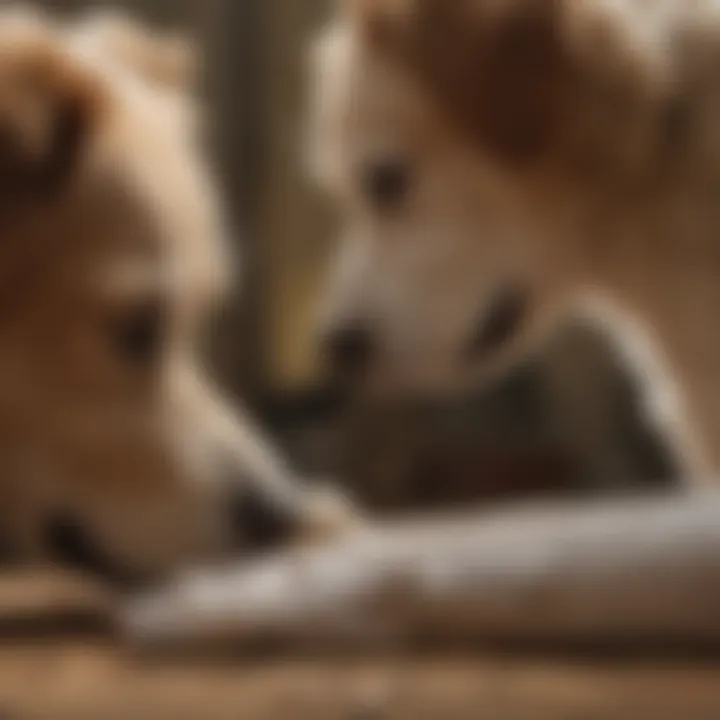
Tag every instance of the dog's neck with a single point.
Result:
(655, 262)
(636, 188)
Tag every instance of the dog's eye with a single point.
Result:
(386, 183)
(138, 334)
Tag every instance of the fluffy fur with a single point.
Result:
(113, 442)
(566, 149)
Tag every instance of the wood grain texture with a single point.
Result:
(86, 681)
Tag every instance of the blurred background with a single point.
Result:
(568, 422)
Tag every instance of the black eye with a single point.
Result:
(386, 184)
(138, 334)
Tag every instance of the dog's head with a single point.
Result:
(454, 135)
(115, 452)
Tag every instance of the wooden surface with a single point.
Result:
(84, 676)
(77, 680)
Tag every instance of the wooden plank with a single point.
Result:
(639, 573)
(88, 682)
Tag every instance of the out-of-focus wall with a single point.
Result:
(296, 224)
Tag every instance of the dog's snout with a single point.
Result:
(348, 349)
(261, 522)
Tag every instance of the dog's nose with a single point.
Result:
(261, 522)
(348, 349)
(69, 544)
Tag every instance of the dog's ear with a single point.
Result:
(48, 108)
(498, 67)
(164, 58)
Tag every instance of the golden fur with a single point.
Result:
(567, 148)
(111, 257)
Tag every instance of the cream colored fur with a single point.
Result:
(612, 212)
(109, 219)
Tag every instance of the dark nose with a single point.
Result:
(348, 349)
(260, 522)
(70, 545)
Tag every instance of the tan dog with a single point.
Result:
(116, 453)
(505, 163)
